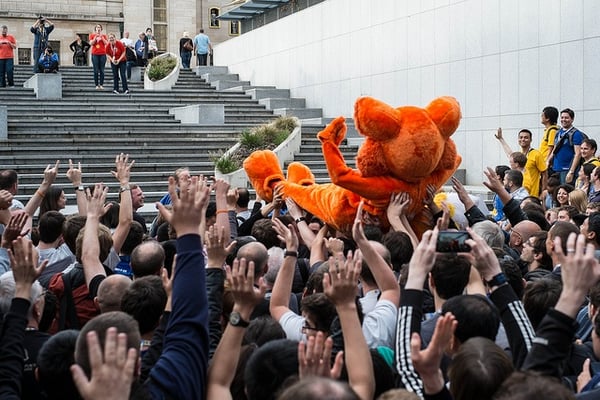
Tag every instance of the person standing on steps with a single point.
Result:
(186, 46)
(117, 57)
(201, 47)
(79, 47)
(98, 40)
(41, 29)
(7, 44)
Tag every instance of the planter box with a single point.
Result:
(285, 152)
(168, 81)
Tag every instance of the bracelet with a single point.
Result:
(298, 220)
(222, 212)
(125, 188)
(41, 194)
(291, 254)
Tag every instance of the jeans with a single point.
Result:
(128, 67)
(186, 57)
(98, 62)
(36, 58)
(6, 71)
(202, 58)
(117, 70)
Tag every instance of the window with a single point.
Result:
(24, 55)
(160, 30)
(213, 14)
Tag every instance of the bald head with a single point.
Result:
(111, 291)
(521, 232)
(147, 258)
(256, 252)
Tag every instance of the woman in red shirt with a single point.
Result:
(117, 57)
(98, 41)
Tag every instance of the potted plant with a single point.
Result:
(283, 136)
(162, 72)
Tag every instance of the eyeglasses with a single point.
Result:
(307, 327)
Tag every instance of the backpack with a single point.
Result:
(569, 136)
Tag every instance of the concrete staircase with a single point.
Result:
(92, 126)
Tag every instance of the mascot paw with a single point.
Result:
(335, 132)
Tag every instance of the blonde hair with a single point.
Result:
(578, 199)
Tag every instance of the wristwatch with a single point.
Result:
(497, 280)
(125, 188)
(80, 188)
(235, 319)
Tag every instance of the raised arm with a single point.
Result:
(74, 174)
(298, 214)
(396, 214)
(221, 188)
(282, 289)
(245, 298)
(340, 286)
(122, 173)
(383, 274)
(507, 150)
(90, 255)
(49, 177)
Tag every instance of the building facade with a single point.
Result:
(167, 18)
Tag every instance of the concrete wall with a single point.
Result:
(503, 60)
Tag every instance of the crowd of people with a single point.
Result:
(222, 298)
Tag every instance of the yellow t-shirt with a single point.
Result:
(536, 164)
(548, 140)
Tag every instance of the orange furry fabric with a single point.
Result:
(406, 149)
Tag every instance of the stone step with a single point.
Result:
(211, 77)
(275, 103)
(299, 112)
(213, 69)
(245, 87)
(258, 94)
(223, 84)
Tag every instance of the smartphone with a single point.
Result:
(452, 242)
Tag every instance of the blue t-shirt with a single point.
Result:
(563, 159)
(201, 41)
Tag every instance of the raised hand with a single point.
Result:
(216, 246)
(14, 229)
(286, 234)
(50, 173)
(123, 168)
(398, 205)
(314, 358)
(422, 260)
(341, 283)
(241, 283)
(187, 214)
(482, 256)
(74, 174)
(112, 372)
(96, 200)
(493, 183)
(6, 199)
(24, 265)
(498, 134)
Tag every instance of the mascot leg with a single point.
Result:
(264, 172)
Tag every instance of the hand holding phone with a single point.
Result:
(452, 242)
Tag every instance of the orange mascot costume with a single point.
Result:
(406, 149)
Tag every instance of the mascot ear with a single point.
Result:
(264, 172)
(376, 119)
(445, 113)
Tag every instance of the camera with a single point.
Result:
(41, 18)
(452, 242)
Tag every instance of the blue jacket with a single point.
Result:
(48, 62)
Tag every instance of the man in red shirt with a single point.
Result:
(7, 44)
(117, 57)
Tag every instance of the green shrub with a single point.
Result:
(159, 68)
(264, 137)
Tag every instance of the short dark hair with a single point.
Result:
(539, 296)
(551, 114)
(532, 385)
(540, 248)
(147, 258)
(591, 142)
(54, 361)
(478, 369)
(262, 330)
(321, 309)
(243, 197)
(594, 226)
(526, 131)
(50, 226)
(450, 274)
(280, 358)
(513, 275)
(8, 178)
(519, 158)
(562, 229)
(476, 316)
(569, 111)
(500, 170)
(71, 227)
(145, 301)
(516, 177)
(400, 247)
(134, 238)
(264, 232)
(123, 322)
